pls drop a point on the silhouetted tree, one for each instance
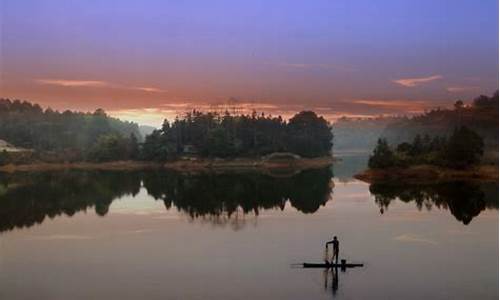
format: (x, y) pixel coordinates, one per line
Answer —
(465, 148)
(382, 156)
(309, 135)
(214, 135)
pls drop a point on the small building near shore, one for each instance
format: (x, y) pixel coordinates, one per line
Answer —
(4, 145)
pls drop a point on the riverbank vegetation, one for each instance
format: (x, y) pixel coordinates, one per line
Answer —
(48, 136)
(27, 125)
(214, 135)
(463, 149)
(480, 115)
(425, 160)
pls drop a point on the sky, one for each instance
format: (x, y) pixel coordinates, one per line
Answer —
(147, 60)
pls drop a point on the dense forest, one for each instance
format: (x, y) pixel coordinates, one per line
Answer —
(481, 116)
(214, 135)
(463, 149)
(61, 135)
(53, 136)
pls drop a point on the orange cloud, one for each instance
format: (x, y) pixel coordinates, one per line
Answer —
(405, 105)
(96, 83)
(412, 82)
(149, 89)
(73, 83)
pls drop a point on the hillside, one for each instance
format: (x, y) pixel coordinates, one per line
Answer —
(27, 125)
(480, 116)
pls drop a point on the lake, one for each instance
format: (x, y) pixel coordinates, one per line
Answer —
(164, 235)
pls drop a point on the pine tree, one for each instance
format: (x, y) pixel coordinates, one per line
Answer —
(382, 156)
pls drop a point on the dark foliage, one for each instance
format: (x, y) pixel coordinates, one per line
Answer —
(462, 149)
(382, 157)
(213, 135)
(27, 125)
(480, 116)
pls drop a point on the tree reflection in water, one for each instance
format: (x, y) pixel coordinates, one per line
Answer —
(465, 200)
(28, 199)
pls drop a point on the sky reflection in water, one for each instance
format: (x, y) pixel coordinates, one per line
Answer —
(236, 236)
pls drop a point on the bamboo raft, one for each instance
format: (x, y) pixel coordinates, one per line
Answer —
(327, 265)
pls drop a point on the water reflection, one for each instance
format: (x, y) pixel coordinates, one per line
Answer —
(332, 283)
(464, 200)
(28, 199)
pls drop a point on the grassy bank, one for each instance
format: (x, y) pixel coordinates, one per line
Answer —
(183, 165)
(427, 174)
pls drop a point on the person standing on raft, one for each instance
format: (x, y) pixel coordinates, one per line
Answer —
(335, 244)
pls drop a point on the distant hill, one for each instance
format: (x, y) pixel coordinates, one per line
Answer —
(480, 116)
(27, 125)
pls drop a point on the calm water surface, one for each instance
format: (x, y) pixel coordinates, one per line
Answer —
(158, 235)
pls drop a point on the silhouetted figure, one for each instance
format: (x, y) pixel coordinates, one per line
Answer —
(335, 244)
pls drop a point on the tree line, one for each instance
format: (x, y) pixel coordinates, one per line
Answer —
(55, 136)
(209, 134)
(67, 135)
(462, 149)
(479, 115)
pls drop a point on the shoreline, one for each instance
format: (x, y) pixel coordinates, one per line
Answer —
(181, 165)
(426, 174)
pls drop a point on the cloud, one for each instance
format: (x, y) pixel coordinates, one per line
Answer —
(414, 239)
(96, 83)
(73, 83)
(412, 82)
(404, 105)
(312, 66)
(154, 116)
(458, 89)
(149, 89)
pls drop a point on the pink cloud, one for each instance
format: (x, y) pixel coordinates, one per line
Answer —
(412, 82)
(73, 83)
(459, 89)
(96, 83)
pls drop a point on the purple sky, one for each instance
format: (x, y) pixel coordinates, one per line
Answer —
(144, 60)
